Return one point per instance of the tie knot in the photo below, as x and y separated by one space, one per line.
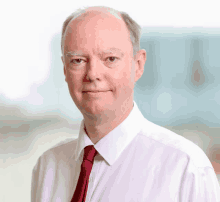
89 153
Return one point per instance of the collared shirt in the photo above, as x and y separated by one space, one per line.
137 161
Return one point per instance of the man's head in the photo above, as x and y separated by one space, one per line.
98 55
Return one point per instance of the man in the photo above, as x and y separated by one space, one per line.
130 158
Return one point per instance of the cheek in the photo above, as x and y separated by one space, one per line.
126 76
74 82
124 82
74 79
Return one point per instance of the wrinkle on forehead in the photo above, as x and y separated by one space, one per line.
108 51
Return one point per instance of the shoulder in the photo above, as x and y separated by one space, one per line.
64 147
62 151
171 142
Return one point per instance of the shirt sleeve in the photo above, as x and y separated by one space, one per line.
199 185
34 181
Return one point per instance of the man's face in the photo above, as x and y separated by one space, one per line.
98 63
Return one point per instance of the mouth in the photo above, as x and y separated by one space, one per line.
96 91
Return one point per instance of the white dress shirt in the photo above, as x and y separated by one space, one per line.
137 161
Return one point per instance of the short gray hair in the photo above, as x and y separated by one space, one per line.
133 27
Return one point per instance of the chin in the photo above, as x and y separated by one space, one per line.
94 108
93 112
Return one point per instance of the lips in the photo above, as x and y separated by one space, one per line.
95 91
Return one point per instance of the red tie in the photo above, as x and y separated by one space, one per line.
86 167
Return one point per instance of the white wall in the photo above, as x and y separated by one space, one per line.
29 30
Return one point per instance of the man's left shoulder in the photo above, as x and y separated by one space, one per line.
172 142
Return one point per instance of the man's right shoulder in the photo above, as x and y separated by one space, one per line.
65 145
63 151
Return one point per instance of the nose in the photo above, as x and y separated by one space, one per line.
94 70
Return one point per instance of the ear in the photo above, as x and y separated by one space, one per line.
64 68
140 59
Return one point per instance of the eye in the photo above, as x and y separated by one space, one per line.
112 59
76 61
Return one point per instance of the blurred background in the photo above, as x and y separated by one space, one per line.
180 88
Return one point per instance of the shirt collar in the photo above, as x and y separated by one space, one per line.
112 145
82 142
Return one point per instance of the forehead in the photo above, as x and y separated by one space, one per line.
100 30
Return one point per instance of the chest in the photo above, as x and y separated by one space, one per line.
132 180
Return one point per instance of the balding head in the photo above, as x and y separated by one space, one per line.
133 28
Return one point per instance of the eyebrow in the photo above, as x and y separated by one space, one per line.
73 53
110 50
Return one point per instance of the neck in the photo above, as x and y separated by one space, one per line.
97 127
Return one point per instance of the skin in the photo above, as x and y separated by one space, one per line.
98 56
